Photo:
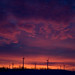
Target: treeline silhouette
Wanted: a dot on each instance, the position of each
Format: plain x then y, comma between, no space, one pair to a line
17,71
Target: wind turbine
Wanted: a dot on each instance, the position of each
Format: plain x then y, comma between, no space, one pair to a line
12,65
64,67
23,62
9,66
47,63
35,66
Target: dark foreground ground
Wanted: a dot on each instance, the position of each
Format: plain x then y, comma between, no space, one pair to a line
34,72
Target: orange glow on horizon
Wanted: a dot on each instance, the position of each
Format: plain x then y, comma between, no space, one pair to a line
19,66
31,60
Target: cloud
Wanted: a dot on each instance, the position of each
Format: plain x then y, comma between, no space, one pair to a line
41,27
25,15
59,49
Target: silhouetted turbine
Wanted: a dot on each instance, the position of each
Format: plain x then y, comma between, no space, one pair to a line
35,66
47,63
23,62
64,67
9,66
60,67
12,65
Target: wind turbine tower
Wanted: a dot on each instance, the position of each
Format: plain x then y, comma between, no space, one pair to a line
35,66
9,66
47,63
12,65
23,62
64,67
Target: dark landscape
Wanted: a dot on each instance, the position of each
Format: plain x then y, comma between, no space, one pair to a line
34,72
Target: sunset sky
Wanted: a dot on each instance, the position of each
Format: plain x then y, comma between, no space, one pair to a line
37,30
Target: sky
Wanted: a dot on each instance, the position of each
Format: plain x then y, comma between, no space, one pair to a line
37,30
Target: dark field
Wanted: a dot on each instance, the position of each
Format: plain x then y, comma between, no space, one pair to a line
34,72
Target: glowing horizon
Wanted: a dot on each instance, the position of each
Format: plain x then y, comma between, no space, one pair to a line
41,63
